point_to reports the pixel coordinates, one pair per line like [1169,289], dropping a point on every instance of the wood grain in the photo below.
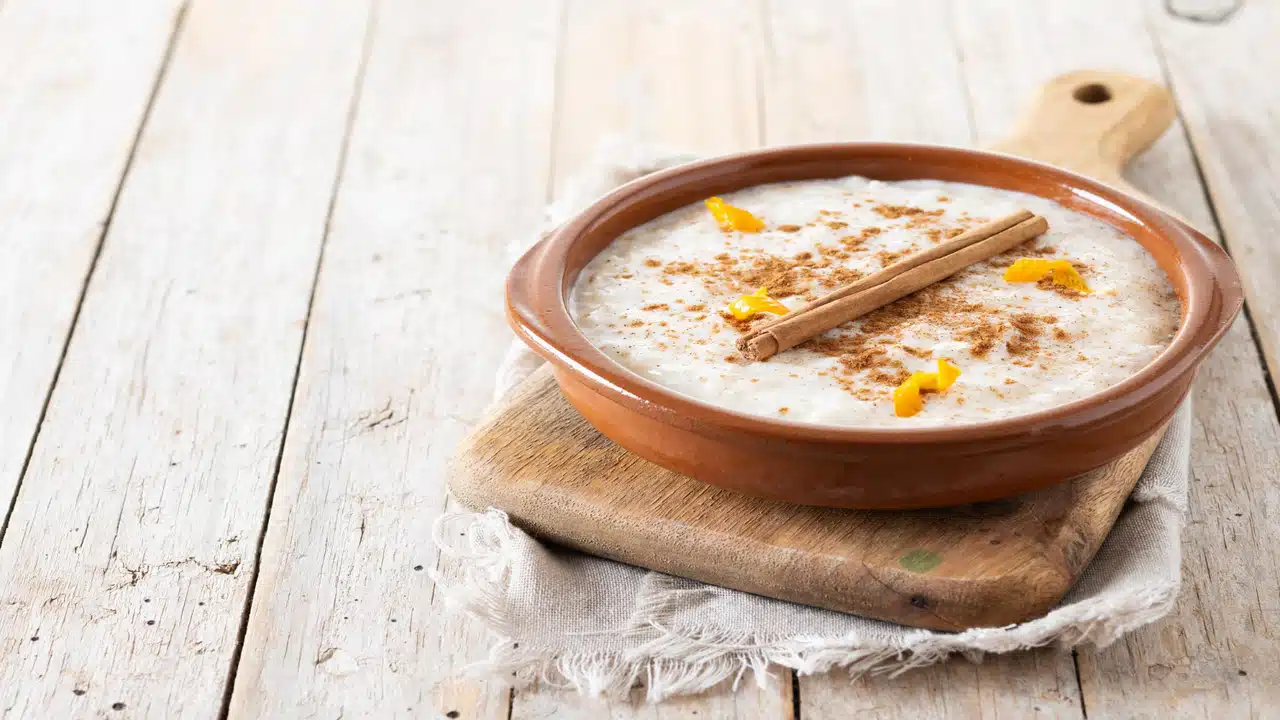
[1232,117]
[75,82]
[227,197]
[1092,122]
[892,70]
[1188,665]
[1038,683]
[749,701]
[442,174]
[124,572]
[1145,116]
[842,71]
[988,564]
[652,73]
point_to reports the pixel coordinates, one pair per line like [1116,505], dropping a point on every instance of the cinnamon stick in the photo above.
[965,239]
[824,314]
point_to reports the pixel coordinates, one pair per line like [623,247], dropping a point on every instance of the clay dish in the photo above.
[872,467]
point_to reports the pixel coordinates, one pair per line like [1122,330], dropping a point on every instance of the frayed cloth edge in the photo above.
[663,666]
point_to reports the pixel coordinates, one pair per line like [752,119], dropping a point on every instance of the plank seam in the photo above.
[1075,663]
[339,172]
[795,695]
[162,71]
[954,32]
[1211,203]
[763,58]
[557,84]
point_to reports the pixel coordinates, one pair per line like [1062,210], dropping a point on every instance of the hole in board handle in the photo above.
[1092,94]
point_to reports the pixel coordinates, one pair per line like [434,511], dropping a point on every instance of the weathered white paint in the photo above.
[1224,78]
[1188,664]
[448,164]
[675,74]
[149,480]
[891,70]
[124,572]
[865,70]
[672,74]
[75,79]
[1219,655]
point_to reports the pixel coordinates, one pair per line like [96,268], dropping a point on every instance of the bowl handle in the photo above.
[1228,301]
[1092,122]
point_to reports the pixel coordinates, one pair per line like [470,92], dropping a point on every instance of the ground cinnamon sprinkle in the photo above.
[983,337]
[742,326]
[923,220]
[772,272]
[680,267]
[894,212]
[842,276]
[871,355]
[1025,250]
[887,258]
[652,262]
[865,351]
[832,254]
[1028,329]
[1060,334]
[1066,292]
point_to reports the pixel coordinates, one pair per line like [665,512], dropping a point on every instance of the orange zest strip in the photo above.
[733,218]
[759,301]
[1037,269]
[907,397]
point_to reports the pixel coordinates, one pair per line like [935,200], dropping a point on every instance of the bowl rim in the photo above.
[538,286]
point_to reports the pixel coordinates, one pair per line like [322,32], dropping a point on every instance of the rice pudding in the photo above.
[658,300]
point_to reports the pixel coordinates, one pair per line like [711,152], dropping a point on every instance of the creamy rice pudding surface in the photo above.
[655,301]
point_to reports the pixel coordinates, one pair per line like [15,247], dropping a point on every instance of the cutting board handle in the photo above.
[1092,122]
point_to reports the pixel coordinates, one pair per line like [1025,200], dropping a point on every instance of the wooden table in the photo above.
[251,258]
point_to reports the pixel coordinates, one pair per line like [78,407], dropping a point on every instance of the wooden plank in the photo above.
[1007,56]
[749,701]
[881,69]
[1188,665]
[127,562]
[1219,654]
[406,332]
[558,478]
[653,73]
[75,82]
[865,70]
[1039,683]
[1223,73]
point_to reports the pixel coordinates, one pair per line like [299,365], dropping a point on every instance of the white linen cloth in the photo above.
[599,626]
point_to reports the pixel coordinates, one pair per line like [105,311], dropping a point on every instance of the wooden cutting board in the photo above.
[977,565]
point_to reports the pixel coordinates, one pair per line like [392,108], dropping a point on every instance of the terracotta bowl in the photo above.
[869,467]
